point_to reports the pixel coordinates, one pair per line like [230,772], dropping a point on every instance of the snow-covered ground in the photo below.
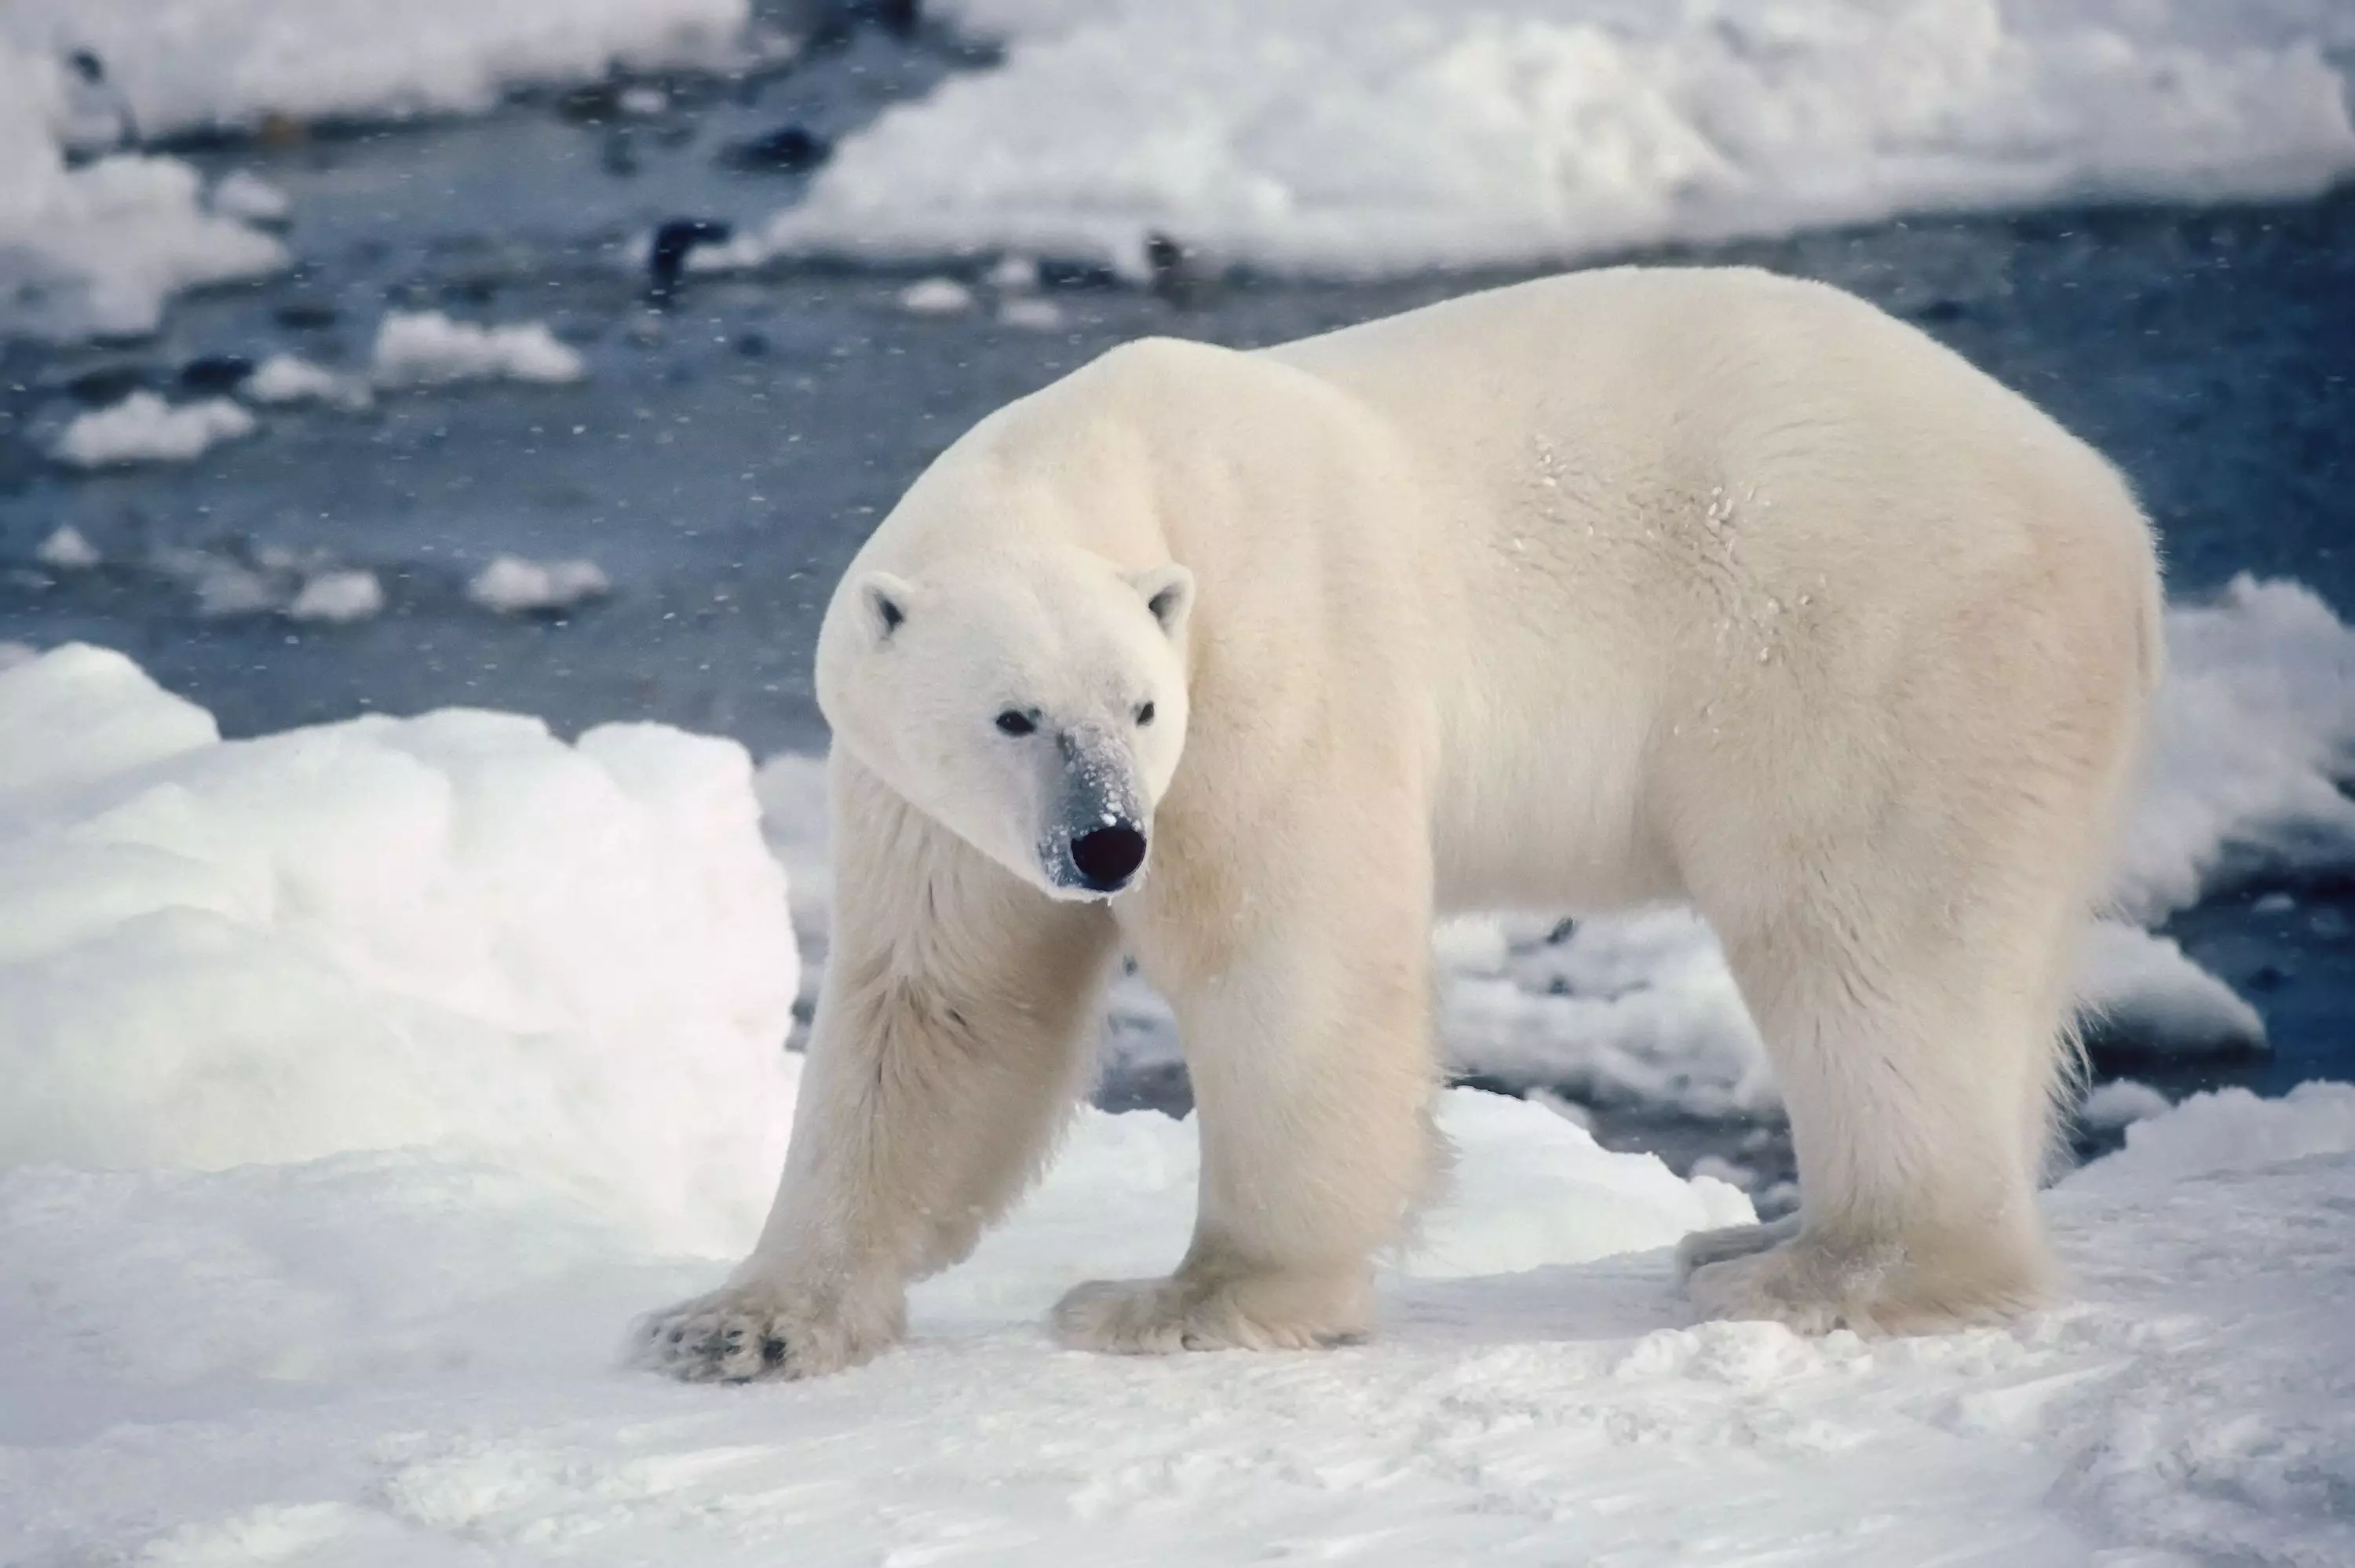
[100,249]
[1352,137]
[366,1080]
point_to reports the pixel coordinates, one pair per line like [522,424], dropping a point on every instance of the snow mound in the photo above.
[2226,1132]
[192,65]
[289,379]
[2138,990]
[451,931]
[250,196]
[2254,732]
[429,349]
[67,549]
[1380,136]
[513,586]
[338,596]
[99,247]
[143,427]
[936,297]
[2121,1102]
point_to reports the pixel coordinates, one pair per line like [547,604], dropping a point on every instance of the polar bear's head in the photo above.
[1031,702]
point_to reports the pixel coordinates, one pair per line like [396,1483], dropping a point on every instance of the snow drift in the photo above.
[452,931]
[193,65]
[1374,136]
[101,247]
[98,248]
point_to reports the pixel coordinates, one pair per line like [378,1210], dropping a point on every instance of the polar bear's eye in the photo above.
[1015,722]
[1144,713]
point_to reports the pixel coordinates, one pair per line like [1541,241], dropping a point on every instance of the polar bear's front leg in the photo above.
[948,1046]
[1308,1036]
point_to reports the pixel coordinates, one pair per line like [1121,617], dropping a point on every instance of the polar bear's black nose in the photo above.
[1108,857]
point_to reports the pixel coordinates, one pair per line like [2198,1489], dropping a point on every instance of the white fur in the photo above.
[1617,586]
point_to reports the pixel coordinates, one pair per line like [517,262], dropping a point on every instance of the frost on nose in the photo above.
[1099,844]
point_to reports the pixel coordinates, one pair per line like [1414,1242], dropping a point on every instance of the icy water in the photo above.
[732,448]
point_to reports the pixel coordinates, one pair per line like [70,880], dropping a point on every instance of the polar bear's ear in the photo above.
[1168,593]
[886,600]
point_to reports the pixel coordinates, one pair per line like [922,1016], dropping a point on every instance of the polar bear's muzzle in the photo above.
[1096,843]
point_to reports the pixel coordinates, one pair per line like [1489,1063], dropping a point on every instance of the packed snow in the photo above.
[289,379]
[2119,1103]
[250,196]
[936,297]
[101,247]
[143,427]
[98,248]
[511,584]
[366,1080]
[67,549]
[429,349]
[272,951]
[196,65]
[1365,136]
[338,596]
[1032,314]
[2255,731]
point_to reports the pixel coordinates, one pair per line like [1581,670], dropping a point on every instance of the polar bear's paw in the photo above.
[1886,1288]
[1256,1312]
[759,1329]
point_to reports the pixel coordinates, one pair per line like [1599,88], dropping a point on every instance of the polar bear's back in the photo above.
[1630,441]
[1697,520]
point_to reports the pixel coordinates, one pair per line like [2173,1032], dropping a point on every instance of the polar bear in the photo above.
[1617,587]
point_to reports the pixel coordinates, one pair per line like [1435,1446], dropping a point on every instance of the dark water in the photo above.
[732,447]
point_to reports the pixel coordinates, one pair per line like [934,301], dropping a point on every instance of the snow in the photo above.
[366,1080]
[98,247]
[1380,136]
[251,198]
[68,550]
[338,596]
[289,379]
[429,349]
[2256,730]
[513,586]
[451,931]
[143,427]
[191,65]
[408,1357]
[936,297]
[2138,986]
[1033,315]
[2121,1102]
